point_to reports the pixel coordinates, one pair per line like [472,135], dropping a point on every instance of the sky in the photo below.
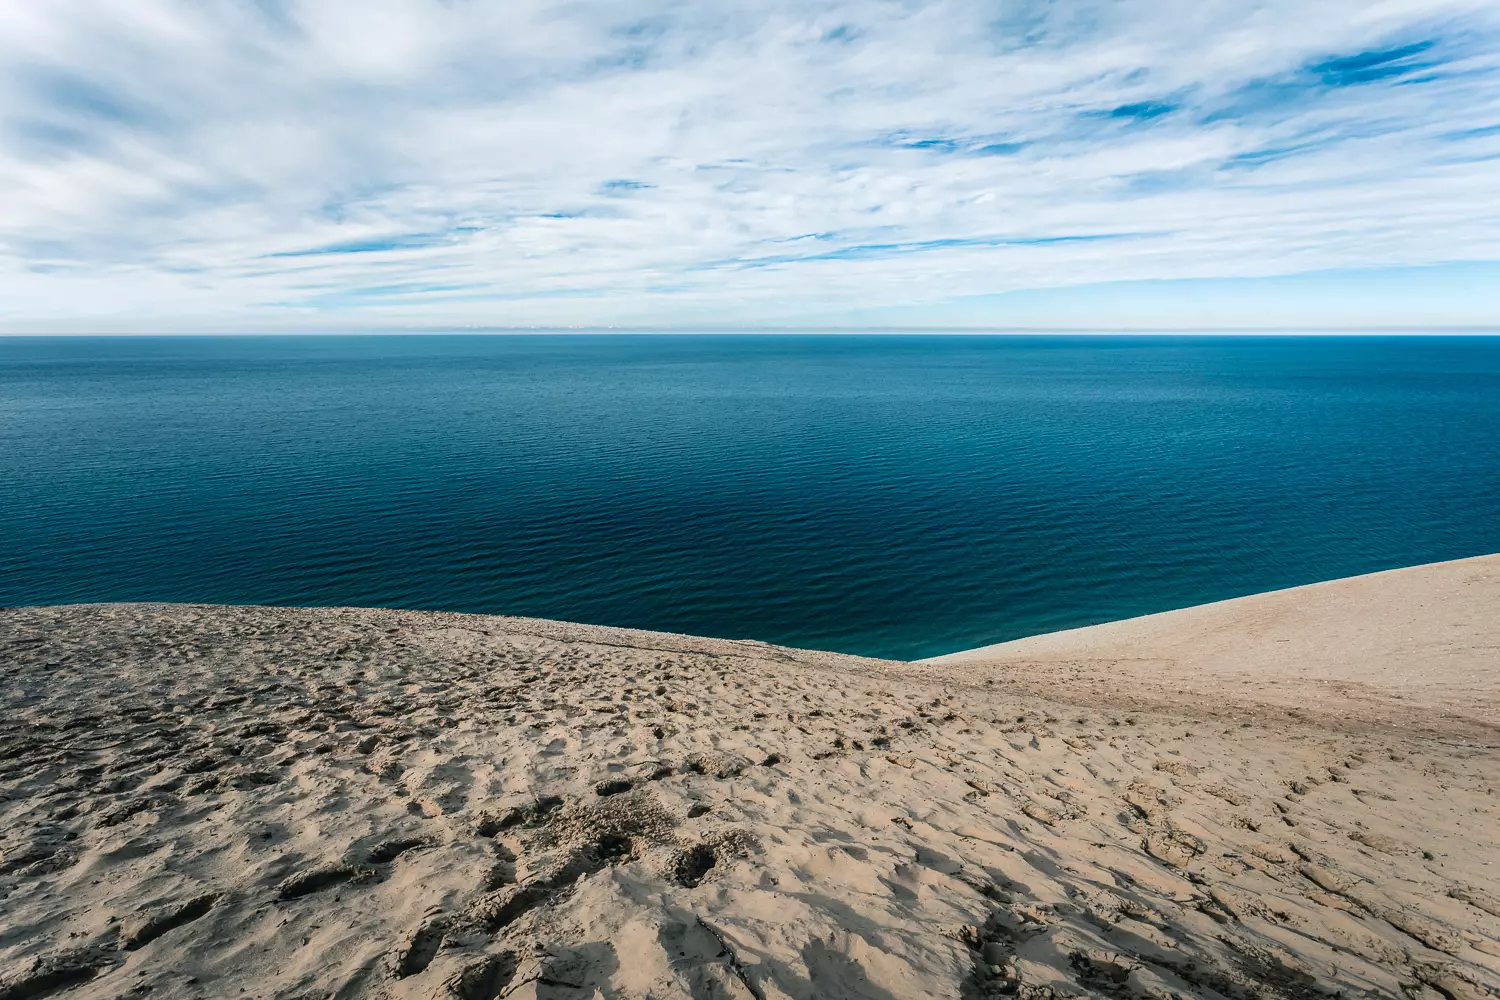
[241,165]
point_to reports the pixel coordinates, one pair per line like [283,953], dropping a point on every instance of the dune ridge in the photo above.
[289,803]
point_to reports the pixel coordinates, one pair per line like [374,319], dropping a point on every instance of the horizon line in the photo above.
[475,330]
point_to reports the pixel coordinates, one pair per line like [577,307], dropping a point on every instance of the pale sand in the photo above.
[254,802]
[1418,648]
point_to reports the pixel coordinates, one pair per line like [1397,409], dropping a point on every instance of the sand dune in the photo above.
[1418,648]
[256,802]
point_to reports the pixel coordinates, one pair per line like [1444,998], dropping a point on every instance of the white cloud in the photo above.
[314,162]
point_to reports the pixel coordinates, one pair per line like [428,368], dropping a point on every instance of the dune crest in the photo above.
[279,803]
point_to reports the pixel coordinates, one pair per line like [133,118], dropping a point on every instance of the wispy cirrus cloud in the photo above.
[427,161]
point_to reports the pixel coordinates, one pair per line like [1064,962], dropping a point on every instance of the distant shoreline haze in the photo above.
[1452,298]
[861,331]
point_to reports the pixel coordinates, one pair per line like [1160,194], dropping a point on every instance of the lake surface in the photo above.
[901,496]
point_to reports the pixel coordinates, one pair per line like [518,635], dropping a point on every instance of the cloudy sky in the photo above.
[311,164]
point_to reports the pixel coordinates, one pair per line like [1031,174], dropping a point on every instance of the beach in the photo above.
[1292,795]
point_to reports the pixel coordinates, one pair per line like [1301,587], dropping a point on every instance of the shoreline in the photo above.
[1337,650]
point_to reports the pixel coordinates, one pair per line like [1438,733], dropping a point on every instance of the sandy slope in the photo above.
[1417,648]
[250,802]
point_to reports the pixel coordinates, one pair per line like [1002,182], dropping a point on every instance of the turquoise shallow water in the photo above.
[899,496]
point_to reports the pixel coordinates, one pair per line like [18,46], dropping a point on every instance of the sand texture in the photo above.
[1417,649]
[254,802]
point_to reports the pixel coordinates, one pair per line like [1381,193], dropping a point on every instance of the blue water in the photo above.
[899,496]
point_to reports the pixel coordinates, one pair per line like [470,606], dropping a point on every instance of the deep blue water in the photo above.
[900,496]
